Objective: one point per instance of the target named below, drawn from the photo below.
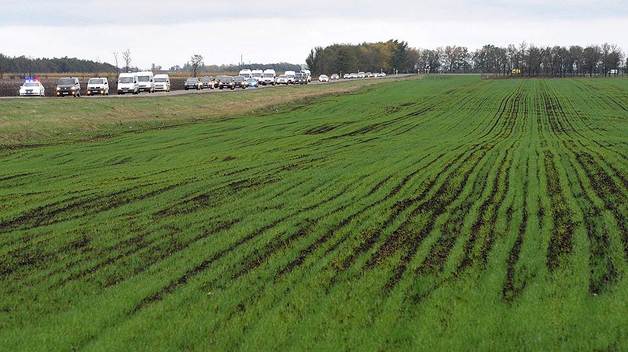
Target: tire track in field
(452, 228)
(46, 216)
(603, 272)
(205, 264)
(408, 241)
(561, 240)
(427, 268)
(489, 208)
(602, 184)
(512, 287)
(80, 208)
(446, 195)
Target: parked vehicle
(239, 82)
(98, 86)
(208, 82)
(146, 82)
(283, 79)
(127, 83)
(162, 83)
(252, 83)
(227, 82)
(32, 88)
(68, 86)
(323, 78)
(335, 77)
(257, 74)
(361, 75)
(246, 73)
(307, 74)
(290, 75)
(193, 83)
(300, 78)
(268, 77)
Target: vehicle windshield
(161, 80)
(225, 79)
(257, 75)
(66, 82)
(191, 80)
(205, 79)
(95, 81)
(125, 80)
(143, 78)
(268, 75)
(238, 79)
(31, 84)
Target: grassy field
(34, 121)
(448, 214)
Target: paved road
(190, 92)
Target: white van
(246, 73)
(162, 83)
(291, 76)
(268, 77)
(307, 73)
(98, 86)
(257, 74)
(146, 81)
(127, 83)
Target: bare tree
(196, 61)
(115, 59)
(126, 56)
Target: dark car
(193, 83)
(208, 82)
(68, 86)
(226, 82)
(240, 82)
(300, 78)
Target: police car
(32, 87)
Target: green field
(438, 214)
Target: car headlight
(58, 88)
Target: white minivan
(98, 86)
(246, 73)
(127, 83)
(268, 77)
(291, 75)
(162, 83)
(146, 81)
(257, 74)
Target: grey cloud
(159, 12)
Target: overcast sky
(168, 32)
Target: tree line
(25, 65)
(194, 66)
(523, 60)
